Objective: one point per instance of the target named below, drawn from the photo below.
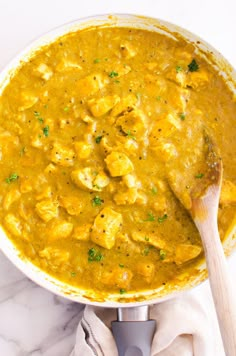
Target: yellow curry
(89, 128)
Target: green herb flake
(117, 81)
(98, 139)
(146, 238)
(38, 116)
(66, 109)
(146, 251)
(113, 74)
(121, 265)
(130, 135)
(150, 217)
(162, 254)
(138, 95)
(46, 131)
(97, 60)
(154, 190)
(94, 255)
(122, 291)
(182, 116)
(199, 175)
(158, 98)
(97, 201)
(160, 219)
(178, 69)
(12, 177)
(22, 151)
(73, 274)
(193, 66)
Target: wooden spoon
(203, 209)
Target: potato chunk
(118, 164)
(62, 155)
(101, 106)
(47, 209)
(106, 225)
(86, 178)
(184, 253)
(228, 192)
(59, 230)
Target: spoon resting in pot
(202, 202)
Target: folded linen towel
(186, 326)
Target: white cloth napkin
(186, 326)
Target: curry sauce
(89, 127)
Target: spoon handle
(220, 282)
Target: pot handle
(133, 336)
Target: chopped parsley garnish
(193, 66)
(158, 98)
(22, 151)
(97, 201)
(199, 175)
(154, 190)
(97, 60)
(121, 265)
(122, 291)
(73, 274)
(130, 135)
(146, 238)
(178, 69)
(160, 219)
(150, 217)
(146, 251)
(98, 139)
(46, 131)
(113, 74)
(162, 254)
(12, 177)
(66, 108)
(94, 255)
(182, 116)
(38, 116)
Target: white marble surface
(34, 322)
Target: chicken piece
(164, 128)
(165, 151)
(27, 100)
(82, 232)
(26, 185)
(43, 71)
(62, 155)
(146, 270)
(44, 193)
(91, 84)
(128, 49)
(119, 277)
(184, 253)
(106, 225)
(83, 149)
(47, 209)
(59, 229)
(118, 70)
(198, 79)
(127, 103)
(152, 239)
(55, 256)
(228, 192)
(88, 179)
(51, 168)
(73, 205)
(128, 196)
(12, 196)
(160, 205)
(66, 65)
(151, 65)
(13, 225)
(177, 76)
(101, 106)
(118, 164)
(133, 123)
